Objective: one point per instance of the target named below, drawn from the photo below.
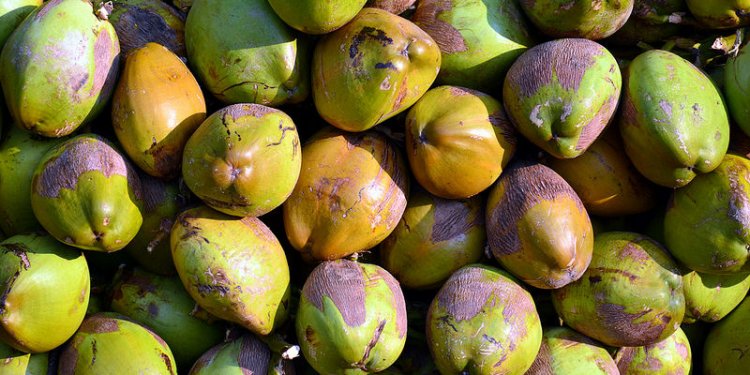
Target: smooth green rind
(59, 67)
(12, 13)
(233, 268)
(107, 343)
(566, 352)
(728, 342)
(707, 223)
(630, 295)
(372, 69)
(316, 16)
(483, 322)
(244, 160)
(578, 18)
(712, 297)
(478, 40)
(673, 121)
(86, 194)
(737, 88)
(45, 292)
(20, 153)
(163, 305)
(669, 356)
(266, 65)
(561, 94)
(351, 318)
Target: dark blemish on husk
(370, 345)
(594, 279)
(739, 204)
(19, 250)
(625, 358)
(99, 324)
(629, 113)
(500, 120)
(454, 218)
(68, 358)
(632, 277)
(365, 33)
(447, 37)
(94, 351)
(464, 295)
(253, 356)
(81, 155)
(343, 283)
(623, 328)
(635, 252)
(388, 65)
(154, 193)
(283, 134)
(206, 289)
(543, 362)
(167, 362)
(526, 185)
(46, 8)
(397, 301)
(136, 26)
(105, 59)
(594, 128)
(8, 288)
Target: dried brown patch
(739, 204)
(343, 282)
(254, 356)
(137, 26)
(106, 60)
(622, 327)
(397, 301)
(99, 324)
(526, 184)
(447, 37)
(594, 128)
(625, 358)
(68, 359)
(154, 193)
(81, 155)
(543, 363)
(453, 218)
(46, 8)
(465, 293)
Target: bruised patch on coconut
(594, 128)
(543, 362)
(253, 356)
(106, 63)
(137, 26)
(397, 301)
(99, 324)
(447, 37)
(46, 8)
(464, 295)
(525, 185)
(454, 218)
(78, 156)
(366, 33)
(343, 283)
(624, 327)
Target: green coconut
(138, 22)
(59, 68)
(351, 318)
(561, 94)
(20, 152)
(565, 351)
(86, 194)
(265, 64)
(315, 16)
(630, 295)
(434, 238)
(721, 14)
(727, 343)
(707, 223)
(669, 356)
(486, 305)
(162, 304)
(478, 39)
(243, 160)
(234, 268)
(45, 292)
(243, 355)
(372, 69)
(673, 122)
(12, 13)
(578, 18)
(108, 343)
(15, 362)
(712, 297)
